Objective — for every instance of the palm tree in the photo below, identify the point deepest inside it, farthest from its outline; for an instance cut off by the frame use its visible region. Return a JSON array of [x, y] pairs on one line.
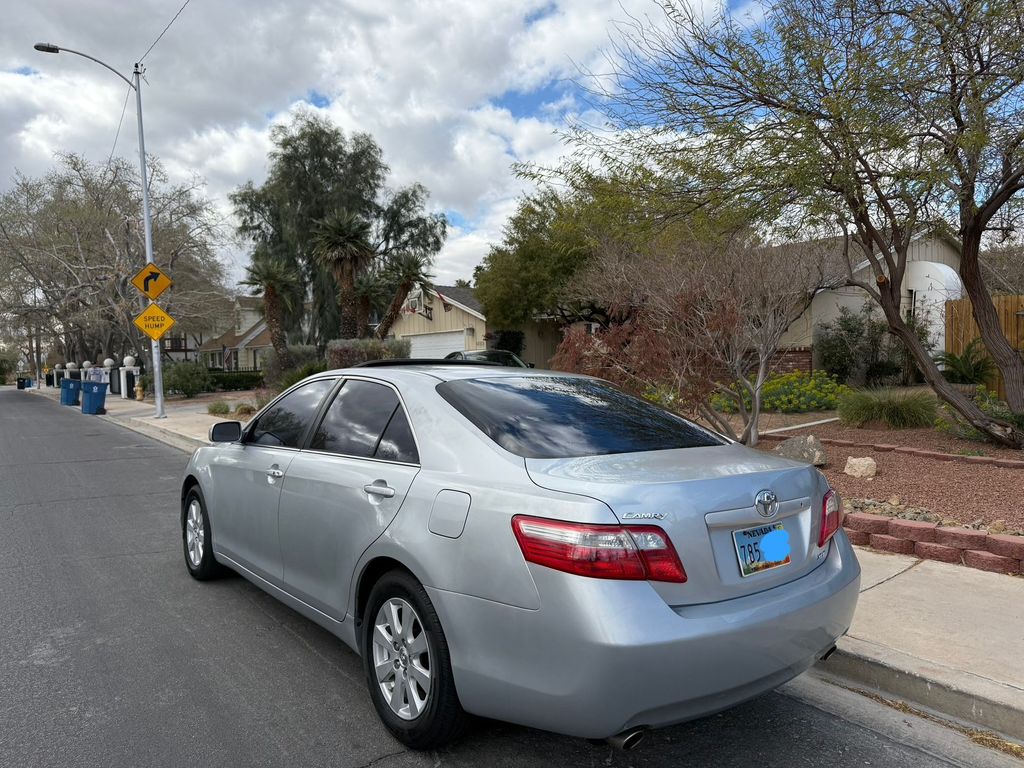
[[406, 271], [342, 245], [372, 292], [281, 287]]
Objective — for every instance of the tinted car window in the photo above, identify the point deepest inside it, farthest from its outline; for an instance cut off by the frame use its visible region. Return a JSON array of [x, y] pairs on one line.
[[356, 419], [286, 421], [542, 417], [397, 443]]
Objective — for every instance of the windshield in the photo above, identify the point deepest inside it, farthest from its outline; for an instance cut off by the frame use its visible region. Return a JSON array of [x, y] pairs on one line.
[[549, 417]]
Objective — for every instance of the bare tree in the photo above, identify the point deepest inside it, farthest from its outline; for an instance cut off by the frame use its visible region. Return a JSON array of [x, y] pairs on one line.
[[692, 317]]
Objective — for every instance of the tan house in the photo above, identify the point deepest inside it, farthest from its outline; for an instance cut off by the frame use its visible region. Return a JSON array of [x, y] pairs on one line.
[[449, 318], [245, 345], [930, 280]]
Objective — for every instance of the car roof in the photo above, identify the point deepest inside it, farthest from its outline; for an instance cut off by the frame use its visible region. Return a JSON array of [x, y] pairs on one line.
[[443, 372]]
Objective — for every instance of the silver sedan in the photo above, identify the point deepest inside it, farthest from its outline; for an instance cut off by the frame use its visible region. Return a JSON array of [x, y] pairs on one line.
[[530, 546]]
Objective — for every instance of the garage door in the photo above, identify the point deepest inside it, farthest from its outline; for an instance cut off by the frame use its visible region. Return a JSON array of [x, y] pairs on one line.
[[436, 344]]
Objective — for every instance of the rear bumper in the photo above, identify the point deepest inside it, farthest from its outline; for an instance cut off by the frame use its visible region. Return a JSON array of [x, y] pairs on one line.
[[602, 656]]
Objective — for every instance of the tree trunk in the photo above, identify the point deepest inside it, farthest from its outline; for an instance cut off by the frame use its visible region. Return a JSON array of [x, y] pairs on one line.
[[999, 431], [346, 304], [1007, 359], [278, 340], [394, 308]]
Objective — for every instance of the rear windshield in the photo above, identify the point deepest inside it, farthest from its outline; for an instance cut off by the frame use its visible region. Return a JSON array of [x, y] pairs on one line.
[[541, 417]]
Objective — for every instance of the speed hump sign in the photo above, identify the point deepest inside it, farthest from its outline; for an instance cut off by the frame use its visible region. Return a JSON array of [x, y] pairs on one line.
[[154, 322]]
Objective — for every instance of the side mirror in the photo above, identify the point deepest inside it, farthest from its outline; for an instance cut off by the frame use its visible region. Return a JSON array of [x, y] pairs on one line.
[[226, 432], [532, 365]]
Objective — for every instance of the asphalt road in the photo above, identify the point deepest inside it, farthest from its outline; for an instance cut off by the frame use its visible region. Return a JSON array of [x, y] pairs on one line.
[[111, 655]]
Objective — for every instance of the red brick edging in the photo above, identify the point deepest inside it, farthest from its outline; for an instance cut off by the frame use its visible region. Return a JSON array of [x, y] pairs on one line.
[[996, 552], [921, 452]]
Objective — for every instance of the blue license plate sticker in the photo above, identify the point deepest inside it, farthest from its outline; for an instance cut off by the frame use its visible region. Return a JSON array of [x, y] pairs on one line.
[[761, 548]]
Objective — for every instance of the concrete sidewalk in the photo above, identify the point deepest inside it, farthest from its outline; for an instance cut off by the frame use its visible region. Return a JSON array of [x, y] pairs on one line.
[[186, 425], [943, 637]]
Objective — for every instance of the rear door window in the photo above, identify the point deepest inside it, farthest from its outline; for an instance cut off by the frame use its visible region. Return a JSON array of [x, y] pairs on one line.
[[284, 424], [366, 420], [542, 417]]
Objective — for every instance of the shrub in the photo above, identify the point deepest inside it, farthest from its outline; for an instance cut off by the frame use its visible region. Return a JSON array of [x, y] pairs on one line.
[[895, 408], [295, 375], [232, 381], [188, 378], [972, 366], [218, 408], [796, 392], [345, 353], [302, 354], [858, 349], [244, 410]]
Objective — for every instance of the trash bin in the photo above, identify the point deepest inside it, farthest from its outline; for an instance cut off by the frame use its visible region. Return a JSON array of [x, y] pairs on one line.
[[69, 390], [94, 396], [49, 379], [21, 383]]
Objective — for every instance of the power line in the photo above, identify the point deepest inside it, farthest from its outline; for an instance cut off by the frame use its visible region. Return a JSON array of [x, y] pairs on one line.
[[120, 122], [165, 30]]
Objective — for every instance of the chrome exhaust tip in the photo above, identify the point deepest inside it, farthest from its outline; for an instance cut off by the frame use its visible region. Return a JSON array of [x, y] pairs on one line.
[[628, 740], [827, 653]]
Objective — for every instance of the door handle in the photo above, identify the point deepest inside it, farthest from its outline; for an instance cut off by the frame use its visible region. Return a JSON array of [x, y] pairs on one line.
[[379, 490], [275, 473]]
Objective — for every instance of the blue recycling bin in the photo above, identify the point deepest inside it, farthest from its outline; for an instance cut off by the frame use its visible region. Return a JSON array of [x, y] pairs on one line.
[[94, 395], [69, 391]]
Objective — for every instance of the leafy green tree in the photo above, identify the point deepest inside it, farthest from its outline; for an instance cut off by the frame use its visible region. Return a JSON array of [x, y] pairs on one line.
[[875, 120], [315, 171], [280, 285], [406, 271], [342, 245]]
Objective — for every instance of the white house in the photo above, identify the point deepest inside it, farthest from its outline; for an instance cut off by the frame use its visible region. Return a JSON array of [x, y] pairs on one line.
[[931, 279]]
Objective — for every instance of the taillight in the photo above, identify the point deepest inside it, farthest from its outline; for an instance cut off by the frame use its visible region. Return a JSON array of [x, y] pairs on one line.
[[632, 552], [831, 516]]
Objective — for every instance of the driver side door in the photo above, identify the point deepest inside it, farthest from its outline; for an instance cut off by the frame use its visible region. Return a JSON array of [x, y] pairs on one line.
[[248, 476]]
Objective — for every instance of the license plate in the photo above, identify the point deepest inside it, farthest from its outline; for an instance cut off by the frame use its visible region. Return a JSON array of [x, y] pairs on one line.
[[761, 548]]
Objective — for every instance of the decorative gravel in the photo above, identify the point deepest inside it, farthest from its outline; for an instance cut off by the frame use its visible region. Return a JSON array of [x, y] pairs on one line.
[[959, 494]]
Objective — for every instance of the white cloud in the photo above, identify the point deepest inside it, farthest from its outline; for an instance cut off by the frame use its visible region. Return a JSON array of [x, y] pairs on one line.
[[424, 77]]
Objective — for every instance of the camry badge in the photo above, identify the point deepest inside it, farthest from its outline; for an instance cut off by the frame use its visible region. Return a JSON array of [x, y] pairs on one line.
[[766, 503], [644, 516]]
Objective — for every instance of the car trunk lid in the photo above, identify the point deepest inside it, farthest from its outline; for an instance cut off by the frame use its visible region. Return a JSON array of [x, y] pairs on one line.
[[701, 497]]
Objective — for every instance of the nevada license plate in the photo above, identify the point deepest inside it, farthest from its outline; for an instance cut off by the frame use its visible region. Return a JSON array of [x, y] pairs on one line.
[[761, 548]]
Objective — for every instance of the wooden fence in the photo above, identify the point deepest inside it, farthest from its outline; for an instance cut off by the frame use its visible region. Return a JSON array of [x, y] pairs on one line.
[[961, 327]]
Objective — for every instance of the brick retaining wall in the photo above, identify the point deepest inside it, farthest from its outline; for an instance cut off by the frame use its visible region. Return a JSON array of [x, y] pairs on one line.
[[998, 553]]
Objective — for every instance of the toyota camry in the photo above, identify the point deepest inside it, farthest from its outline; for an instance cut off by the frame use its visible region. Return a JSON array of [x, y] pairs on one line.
[[536, 547]]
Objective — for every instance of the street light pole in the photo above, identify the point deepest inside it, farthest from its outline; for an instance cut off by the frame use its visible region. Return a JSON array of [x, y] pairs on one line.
[[135, 84]]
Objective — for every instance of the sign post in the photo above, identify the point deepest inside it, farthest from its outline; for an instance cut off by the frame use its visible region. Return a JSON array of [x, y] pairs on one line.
[[153, 321]]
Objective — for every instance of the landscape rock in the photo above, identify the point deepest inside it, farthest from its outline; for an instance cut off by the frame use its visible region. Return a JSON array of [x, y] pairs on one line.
[[806, 448], [864, 468]]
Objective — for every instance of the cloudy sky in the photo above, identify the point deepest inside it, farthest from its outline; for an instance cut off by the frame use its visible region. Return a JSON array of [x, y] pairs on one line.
[[454, 90]]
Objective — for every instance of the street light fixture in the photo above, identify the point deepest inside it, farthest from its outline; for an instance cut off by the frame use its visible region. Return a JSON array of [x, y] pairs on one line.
[[134, 84]]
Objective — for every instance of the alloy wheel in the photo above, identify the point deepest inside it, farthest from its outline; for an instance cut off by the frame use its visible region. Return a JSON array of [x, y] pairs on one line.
[[401, 658], [195, 533]]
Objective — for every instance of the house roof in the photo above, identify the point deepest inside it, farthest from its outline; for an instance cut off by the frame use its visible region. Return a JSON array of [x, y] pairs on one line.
[[460, 295]]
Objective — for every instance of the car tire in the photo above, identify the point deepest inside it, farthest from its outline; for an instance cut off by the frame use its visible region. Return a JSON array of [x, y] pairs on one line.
[[403, 639], [197, 543]]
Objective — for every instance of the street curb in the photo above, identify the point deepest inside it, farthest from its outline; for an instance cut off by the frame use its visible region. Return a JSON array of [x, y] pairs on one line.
[[173, 439], [953, 693]]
